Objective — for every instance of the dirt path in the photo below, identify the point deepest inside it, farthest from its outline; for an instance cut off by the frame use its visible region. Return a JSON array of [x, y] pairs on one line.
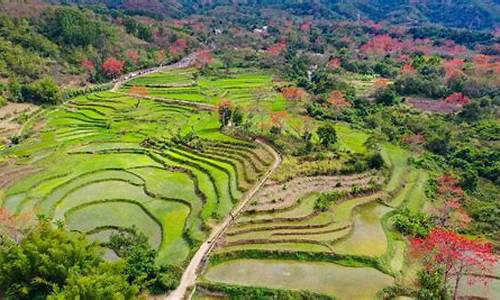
[[191, 272], [183, 63]]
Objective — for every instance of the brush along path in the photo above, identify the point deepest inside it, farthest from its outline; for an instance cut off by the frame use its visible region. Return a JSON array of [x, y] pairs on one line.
[[191, 272]]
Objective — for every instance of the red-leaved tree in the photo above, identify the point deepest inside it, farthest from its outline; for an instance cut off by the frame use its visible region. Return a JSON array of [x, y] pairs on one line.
[[276, 49], [381, 45], [458, 99], [449, 211], [456, 255], [338, 100], [294, 93], [203, 58], [112, 67]]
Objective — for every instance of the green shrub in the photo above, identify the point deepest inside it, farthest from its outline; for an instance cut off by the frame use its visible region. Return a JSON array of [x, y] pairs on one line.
[[43, 91], [412, 224], [3, 101]]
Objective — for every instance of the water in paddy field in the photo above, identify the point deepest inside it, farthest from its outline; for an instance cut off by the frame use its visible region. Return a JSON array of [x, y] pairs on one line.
[[367, 237], [321, 277]]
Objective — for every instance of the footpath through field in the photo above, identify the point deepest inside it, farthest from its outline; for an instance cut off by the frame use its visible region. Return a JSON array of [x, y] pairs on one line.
[[183, 63], [191, 273]]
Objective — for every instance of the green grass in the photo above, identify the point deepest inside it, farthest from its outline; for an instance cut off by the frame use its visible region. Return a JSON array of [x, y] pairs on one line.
[[92, 171]]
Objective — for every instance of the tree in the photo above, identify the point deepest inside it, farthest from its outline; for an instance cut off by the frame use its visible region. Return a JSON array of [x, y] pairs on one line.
[[382, 45], [338, 100], [408, 69], [327, 135], [225, 110], [42, 91], [41, 263], [134, 248], [277, 119], [203, 58], [133, 56], [450, 212], [107, 281], [386, 96], [456, 255], [277, 49], [294, 93], [237, 117], [458, 99], [112, 67]]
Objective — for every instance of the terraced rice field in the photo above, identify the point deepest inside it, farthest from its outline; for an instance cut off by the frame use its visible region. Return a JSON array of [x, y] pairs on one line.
[[106, 162], [283, 241], [320, 277], [240, 86]]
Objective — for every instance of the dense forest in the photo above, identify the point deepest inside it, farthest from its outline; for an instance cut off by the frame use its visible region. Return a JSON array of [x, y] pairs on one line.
[[355, 140]]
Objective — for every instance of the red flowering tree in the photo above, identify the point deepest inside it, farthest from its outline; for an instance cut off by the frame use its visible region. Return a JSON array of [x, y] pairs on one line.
[[112, 67], [449, 211], [88, 65], [276, 49], [277, 119], [133, 56], [294, 93], [334, 63], [457, 99], [203, 58], [408, 70], [456, 255], [381, 45], [338, 100], [178, 47]]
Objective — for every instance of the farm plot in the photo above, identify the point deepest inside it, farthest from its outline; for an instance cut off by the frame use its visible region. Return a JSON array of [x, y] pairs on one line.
[[320, 277], [240, 86], [285, 235], [106, 162]]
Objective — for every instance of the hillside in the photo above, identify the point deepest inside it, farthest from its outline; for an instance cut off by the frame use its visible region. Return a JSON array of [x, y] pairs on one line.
[[249, 150], [477, 14]]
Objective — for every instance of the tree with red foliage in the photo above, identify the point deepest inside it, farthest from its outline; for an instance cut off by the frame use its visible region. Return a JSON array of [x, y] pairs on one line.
[[294, 93], [277, 119], [133, 55], [276, 49], [305, 27], [381, 45], [334, 63], [450, 212], [381, 83], [178, 47], [160, 56], [408, 69], [458, 99], [456, 255], [338, 100], [88, 65], [203, 58], [112, 67]]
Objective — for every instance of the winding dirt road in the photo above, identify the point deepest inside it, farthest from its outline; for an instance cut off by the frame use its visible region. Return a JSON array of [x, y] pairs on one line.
[[191, 273], [183, 63]]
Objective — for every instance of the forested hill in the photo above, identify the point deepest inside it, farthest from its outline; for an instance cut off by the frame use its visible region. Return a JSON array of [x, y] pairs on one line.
[[471, 14]]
